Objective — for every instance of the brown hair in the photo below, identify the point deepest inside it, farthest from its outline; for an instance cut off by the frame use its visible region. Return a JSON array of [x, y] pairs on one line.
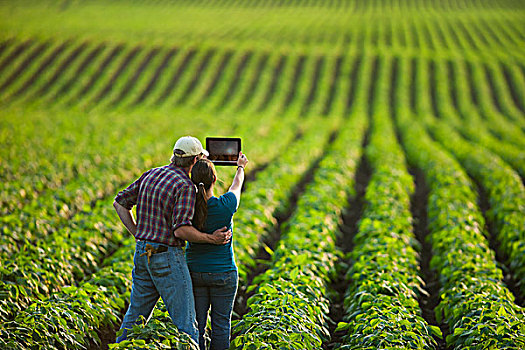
[[203, 174], [183, 162]]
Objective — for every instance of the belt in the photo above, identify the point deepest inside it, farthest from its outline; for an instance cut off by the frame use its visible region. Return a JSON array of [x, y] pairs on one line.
[[178, 242]]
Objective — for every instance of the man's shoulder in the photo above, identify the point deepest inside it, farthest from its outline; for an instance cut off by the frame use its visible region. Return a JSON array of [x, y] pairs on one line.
[[176, 174]]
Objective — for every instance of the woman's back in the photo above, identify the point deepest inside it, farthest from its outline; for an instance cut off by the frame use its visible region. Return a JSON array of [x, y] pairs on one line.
[[203, 257]]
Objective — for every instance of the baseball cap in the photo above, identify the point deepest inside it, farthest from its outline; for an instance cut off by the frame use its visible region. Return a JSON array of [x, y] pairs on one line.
[[188, 146]]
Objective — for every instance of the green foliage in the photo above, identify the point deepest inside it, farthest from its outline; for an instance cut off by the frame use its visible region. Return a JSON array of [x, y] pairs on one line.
[[158, 333], [290, 306], [477, 307]]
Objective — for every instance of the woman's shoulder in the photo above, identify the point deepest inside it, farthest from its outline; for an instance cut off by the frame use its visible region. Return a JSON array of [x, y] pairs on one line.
[[227, 200]]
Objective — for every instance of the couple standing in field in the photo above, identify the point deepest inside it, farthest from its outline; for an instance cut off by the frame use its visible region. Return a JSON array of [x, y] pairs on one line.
[[173, 208]]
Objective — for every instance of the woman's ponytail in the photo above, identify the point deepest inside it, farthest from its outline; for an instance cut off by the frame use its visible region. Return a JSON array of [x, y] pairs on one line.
[[203, 175], [201, 208]]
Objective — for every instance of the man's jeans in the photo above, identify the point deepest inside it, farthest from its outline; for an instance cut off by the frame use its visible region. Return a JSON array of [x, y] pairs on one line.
[[166, 275], [217, 290]]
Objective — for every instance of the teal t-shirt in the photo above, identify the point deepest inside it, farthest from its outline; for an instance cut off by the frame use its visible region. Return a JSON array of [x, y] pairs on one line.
[[205, 257]]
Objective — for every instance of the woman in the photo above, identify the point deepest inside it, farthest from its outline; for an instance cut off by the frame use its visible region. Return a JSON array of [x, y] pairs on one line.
[[212, 268]]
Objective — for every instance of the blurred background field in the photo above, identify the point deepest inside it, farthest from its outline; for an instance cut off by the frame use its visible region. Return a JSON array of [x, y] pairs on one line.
[[94, 92]]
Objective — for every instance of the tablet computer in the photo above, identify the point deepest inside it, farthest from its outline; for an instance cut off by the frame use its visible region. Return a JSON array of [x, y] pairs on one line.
[[223, 150]]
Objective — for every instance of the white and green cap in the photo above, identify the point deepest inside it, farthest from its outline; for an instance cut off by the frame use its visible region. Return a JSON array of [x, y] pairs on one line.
[[188, 146]]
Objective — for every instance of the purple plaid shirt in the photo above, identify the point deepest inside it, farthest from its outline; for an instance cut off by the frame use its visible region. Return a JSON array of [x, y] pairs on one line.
[[165, 199]]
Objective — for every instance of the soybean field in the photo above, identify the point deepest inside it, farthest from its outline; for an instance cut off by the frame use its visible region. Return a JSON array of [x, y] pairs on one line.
[[384, 203]]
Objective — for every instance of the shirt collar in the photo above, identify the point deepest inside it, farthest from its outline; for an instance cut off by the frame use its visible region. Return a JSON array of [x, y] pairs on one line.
[[179, 170]]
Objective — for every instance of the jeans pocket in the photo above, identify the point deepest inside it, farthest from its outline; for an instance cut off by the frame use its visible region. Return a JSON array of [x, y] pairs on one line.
[[160, 264]]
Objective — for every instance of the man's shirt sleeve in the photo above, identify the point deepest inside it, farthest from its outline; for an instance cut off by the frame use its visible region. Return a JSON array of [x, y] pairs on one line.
[[128, 197], [184, 207]]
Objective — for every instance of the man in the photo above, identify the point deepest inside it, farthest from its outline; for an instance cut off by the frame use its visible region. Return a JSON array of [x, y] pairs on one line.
[[165, 199]]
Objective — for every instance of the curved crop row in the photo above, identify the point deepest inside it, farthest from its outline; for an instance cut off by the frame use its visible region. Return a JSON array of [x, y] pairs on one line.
[[290, 305], [76, 327], [72, 246], [501, 183], [505, 192], [478, 310], [475, 305], [381, 303], [472, 125]]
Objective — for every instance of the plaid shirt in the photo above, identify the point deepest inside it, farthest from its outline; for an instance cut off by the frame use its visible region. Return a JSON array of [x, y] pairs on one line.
[[165, 199]]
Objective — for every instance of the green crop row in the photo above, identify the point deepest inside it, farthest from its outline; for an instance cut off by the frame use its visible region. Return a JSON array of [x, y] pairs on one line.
[[290, 306], [501, 184], [266, 198], [472, 125], [262, 200], [381, 302], [478, 310], [504, 190], [75, 327], [72, 246]]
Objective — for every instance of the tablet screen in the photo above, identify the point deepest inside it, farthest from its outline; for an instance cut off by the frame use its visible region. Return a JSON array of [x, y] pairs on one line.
[[223, 150]]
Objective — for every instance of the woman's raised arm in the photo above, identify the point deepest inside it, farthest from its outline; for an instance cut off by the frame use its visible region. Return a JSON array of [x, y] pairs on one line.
[[239, 177]]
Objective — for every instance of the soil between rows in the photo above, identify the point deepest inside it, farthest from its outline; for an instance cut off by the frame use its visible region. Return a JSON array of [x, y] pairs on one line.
[[348, 230], [272, 238]]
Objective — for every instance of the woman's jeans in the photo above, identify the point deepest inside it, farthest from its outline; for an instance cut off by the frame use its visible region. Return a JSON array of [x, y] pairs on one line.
[[217, 290], [165, 275]]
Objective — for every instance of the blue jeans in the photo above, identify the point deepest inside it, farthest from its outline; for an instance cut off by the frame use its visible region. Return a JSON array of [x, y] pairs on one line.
[[218, 291], [167, 276]]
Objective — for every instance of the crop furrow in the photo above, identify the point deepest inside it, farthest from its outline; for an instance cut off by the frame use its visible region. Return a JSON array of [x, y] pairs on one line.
[[3, 47], [470, 280], [470, 80], [175, 78], [372, 94], [502, 125], [197, 75], [86, 62], [433, 82], [292, 90], [468, 37], [354, 76], [505, 103], [219, 73], [333, 85], [320, 61], [113, 55], [381, 303], [469, 123], [234, 83], [515, 84], [502, 259], [137, 73], [296, 284], [158, 72], [505, 192], [50, 59], [254, 81], [492, 90], [17, 51], [273, 83], [273, 235], [33, 55], [348, 229], [121, 68], [60, 70]]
